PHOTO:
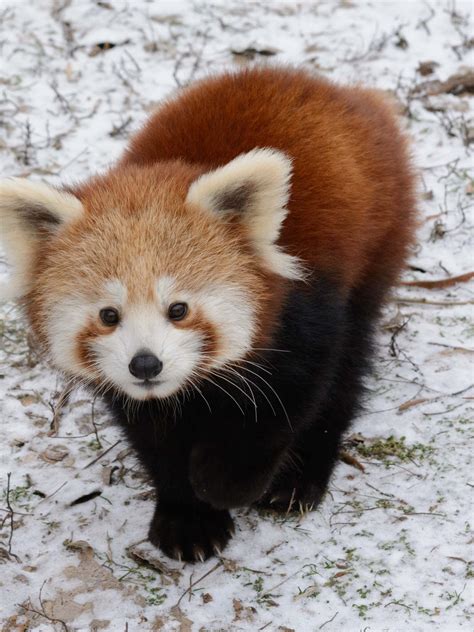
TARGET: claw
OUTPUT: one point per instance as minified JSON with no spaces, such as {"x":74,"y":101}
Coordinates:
{"x":292,"y":501}
{"x":178,"y":554}
{"x":305,"y":508}
{"x":217,"y":550}
{"x":199,"y":555}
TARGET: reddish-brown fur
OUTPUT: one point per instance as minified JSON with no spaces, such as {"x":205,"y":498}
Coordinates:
{"x":350,"y":221}
{"x":351,"y":182}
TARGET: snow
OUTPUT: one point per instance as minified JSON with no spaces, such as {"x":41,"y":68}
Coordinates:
{"x":389,"y":549}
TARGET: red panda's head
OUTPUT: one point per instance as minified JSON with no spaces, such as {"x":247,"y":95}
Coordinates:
{"x":149,"y":278}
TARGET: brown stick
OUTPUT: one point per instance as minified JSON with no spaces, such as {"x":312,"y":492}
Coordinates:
{"x":425,"y":301}
{"x":441,"y":283}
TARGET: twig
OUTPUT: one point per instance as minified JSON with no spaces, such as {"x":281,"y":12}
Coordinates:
{"x":287,"y":578}
{"x":191,"y":585}
{"x":99,"y":443}
{"x":63,"y":102}
{"x":12,"y":524}
{"x":393,"y":338}
{"x":97,"y":458}
{"x":441,"y":283}
{"x":328,"y":621}
{"x":26,"y":159}
{"x":57,"y":408}
{"x":425,"y":400}
{"x":423,"y":23}
{"x":42,"y":612}
{"x":117,"y":130}
{"x":53,"y":493}
{"x":425,"y":301}
{"x":455,"y":348}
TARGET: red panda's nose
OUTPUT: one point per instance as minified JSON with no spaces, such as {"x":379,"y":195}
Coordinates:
{"x":145,"y":365}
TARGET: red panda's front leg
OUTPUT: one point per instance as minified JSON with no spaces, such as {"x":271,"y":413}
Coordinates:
{"x":234,"y":474}
{"x":190,"y":532}
{"x":183,"y":527}
{"x":237,"y":458}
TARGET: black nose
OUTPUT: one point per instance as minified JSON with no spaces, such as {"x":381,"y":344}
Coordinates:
{"x":145,"y":365}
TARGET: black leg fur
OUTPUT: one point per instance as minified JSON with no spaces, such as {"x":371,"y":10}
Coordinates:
{"x":183,"y":527}
{"x":302,"y":398}
{"x":303,"y":481}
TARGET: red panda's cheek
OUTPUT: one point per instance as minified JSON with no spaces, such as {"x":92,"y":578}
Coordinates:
{"x":84,"y":344}
{"x":207,"y":330}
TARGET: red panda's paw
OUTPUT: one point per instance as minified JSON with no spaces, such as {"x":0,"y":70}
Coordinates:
{"x":225,"y":479}
{"x":190,"y":533}
{"x":293,"y":496}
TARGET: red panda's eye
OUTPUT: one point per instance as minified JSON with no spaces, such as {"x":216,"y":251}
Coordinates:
{"x":177,"y":311}
{"x":109,"y":316}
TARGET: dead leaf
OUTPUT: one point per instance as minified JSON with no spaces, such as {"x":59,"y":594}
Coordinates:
{"x":54,"y":453}
{"x":144,"y":557}
{"x":251,"y":52}
{"x":99,"y":624}
{"x":69,"y":72}
{"x":412,"y":402}
{"x":86,"y":497}
{"x":102,"y":47}
{"x":185,"y":624}
{"x":458,"y":84}
{"x":27,"y":400}
{"x":13,"y":625}
{"x":351,"y":460}
{"x":427,"y":67}
{"x":455,"y":350}
{"x":308,"y":592}
{"x":241,"y":612}
{"x":229,"y":565}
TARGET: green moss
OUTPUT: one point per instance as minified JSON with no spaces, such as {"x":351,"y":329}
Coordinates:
{"x":390,"y":449}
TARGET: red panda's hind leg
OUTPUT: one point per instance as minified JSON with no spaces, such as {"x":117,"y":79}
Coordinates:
{"x":302,"y":484}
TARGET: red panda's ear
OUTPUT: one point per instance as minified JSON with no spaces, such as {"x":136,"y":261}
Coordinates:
{"x":30,"y":212}
{"x":254,"y":187}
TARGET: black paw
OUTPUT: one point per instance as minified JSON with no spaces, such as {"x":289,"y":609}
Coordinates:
{"x":190,"y":533}
{"x":224,"y":482}
{"x":293,"y":494}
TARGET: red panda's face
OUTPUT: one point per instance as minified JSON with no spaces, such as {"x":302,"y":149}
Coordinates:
{"x":147,"y":311}
{"x":147,"y":282}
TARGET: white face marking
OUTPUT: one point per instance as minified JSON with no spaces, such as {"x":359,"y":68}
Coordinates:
{"x":230,"y":309}
{"x":19,"y":234}
{"x":146,"y":326}
{"x":116,"y":291}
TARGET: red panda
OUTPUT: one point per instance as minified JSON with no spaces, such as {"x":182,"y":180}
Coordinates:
{"x":234,"y":262}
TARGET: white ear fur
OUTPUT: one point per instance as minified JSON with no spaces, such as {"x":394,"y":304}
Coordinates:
{"x":254,"y":186}
{"x":28,"y":211}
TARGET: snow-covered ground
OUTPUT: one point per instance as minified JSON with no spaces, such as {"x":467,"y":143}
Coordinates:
{"x":390,"y":547}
